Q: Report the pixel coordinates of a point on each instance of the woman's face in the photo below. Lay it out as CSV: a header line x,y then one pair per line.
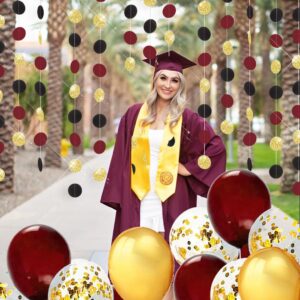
x,y
167,84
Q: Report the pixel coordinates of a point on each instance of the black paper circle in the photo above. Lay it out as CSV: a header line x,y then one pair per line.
x,y
18,7
227,1
250,12
276,171
130,11
249,164
40,164
75,190
249,88
204,110
296,88
19,86
150,26
296,14
74,39
2,121
99,120
40,12
40,88
74,116
204,33
296,162
276,92
100,46
2,46
276,15
227,74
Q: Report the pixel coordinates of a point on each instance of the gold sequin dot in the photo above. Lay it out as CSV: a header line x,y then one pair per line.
x,y
249,114
99,21
150,2
275,66
99,95
40,114
18,139
166,178
2,21
169,37
75,165
204,162
130,64
204,85
276,143
2,175
296,136
99,174
204,8
227,48
226,127
75,16
296,62
74,91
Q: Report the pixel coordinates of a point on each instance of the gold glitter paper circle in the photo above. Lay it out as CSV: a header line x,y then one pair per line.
x,y
169,37
130,64
99,21
2,21
276,143
40,114
204,8
226,127
74,91
99,175
19,59
150,2
275,66
18,139
296,136
1,96
166,178
75,165
227,48
204,85
296,62
249,114
75,16
40,38
204,162
99,95
2,175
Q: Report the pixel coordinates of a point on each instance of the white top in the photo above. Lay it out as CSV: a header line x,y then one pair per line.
x,y
151,208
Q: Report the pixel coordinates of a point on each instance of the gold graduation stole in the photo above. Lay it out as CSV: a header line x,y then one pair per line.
x,y
168,159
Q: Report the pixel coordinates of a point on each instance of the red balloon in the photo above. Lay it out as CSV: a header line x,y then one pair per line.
x,y
235,200
35,255
195,276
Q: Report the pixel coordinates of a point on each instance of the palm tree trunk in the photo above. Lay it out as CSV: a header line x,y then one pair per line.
x,y
6,107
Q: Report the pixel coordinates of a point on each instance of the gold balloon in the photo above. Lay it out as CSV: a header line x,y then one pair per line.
x,y
40,114
99,21
227,48
275,66
226,127
296,136
276,143
130,64
249,114
270,274
140,264
75,165
150,2
204,8
19,59
204,85
2,21
1,96
75,16
169,37
2,175
74,91
18,139
100,174
204,162
99,95
40,38
296,62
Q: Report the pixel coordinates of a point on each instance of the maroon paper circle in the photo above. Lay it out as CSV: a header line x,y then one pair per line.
x,y
149,52
1,146
2,71
276,117
275,40
99,147
75,66
250,63
40,63
19,112
19,33
296,36
169,11
227,100
130,37
296,111
40,139
75,139
249,139
99,70
204,59
227,22
296,188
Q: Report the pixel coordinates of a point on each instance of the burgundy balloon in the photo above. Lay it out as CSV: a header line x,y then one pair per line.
x,y
235,200
35,255
195,276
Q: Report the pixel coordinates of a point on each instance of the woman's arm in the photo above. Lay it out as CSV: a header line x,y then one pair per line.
x,y
182,170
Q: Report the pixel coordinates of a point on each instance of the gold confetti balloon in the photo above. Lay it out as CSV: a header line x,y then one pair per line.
x,y
75,16
204,8
296,136
150,2
275,66
169,37
1,96
99,95
19,59
274,228
226,127
2,21
249,114
18,139
82,280
75,165
204,162
2,175
224,285
130,64
227,48
4,291
192,233
296,62
74,91
276,143
99,175
99,21
204,85
40,114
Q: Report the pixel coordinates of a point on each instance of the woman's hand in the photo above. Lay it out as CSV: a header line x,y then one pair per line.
x,y
182,170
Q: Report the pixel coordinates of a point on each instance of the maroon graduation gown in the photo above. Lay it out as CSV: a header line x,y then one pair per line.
x,y
117,192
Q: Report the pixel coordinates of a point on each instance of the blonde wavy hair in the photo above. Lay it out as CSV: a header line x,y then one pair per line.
x,y
177,104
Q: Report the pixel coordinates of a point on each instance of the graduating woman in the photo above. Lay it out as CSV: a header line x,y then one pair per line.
x,y
154,173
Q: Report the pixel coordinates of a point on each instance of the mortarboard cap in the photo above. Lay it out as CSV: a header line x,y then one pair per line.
x,y
170,60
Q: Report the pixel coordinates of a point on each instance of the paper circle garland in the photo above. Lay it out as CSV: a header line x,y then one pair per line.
x,y
40,114
75,139
99,120
169,10
227,100
130,37
227,48
74,91
204,8
40,88
204,33
129,64
204,59
18,139
276,143
275,66
75,16
19,86
204,110
75,190
99,147
2,21
75,165
276,15
74,116
40,63
99,70
204,162
276,117
150,26
204,85
19,33
74,39
99,175
18,7
40,12
296,62
100,46
149,52
99,21
169,37
249,139
150,2
226,127
2,175
249,114
296,136
276,171
19,112
40,139
130,11
75,66
1,96
227,22
99,95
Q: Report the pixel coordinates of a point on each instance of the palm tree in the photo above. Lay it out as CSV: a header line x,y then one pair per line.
x,y
6,107
289,77
56,35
